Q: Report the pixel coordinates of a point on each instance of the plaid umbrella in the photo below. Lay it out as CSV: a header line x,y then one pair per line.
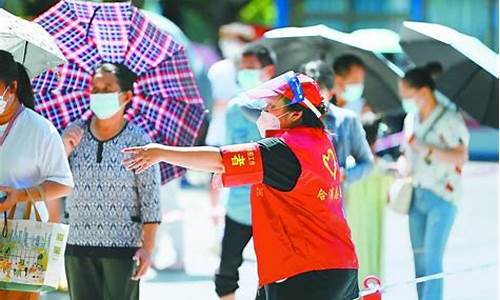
x,y
166,102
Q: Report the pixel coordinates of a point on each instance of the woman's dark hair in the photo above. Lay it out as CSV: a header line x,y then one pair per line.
x,y
13,71
124,75
371,131
309,119
419,78
343,64
263,54
320,71
435,69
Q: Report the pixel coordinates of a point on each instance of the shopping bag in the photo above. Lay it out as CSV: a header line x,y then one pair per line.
x,y
31,252
400,195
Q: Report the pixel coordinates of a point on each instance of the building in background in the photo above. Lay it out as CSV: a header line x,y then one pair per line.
x,y
200,19
478,18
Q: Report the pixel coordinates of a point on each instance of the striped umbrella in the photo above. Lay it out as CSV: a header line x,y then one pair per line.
x,y
166,103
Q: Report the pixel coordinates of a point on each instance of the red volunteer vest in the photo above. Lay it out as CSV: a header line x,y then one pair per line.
x,y
304,229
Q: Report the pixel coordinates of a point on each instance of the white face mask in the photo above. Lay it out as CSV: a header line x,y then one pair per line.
x,y
353,92
410,105
105,105
268,121
248,79
3,103
231,48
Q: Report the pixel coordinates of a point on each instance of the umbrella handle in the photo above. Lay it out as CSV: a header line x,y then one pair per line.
x,y
25,50
91,20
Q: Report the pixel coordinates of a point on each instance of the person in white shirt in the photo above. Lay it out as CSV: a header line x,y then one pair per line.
x,y
223,76
435,151
32,157
234,38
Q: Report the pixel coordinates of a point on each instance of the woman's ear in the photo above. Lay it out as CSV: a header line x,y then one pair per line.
x,y
338,85
127,97
295,116
13,87
268,72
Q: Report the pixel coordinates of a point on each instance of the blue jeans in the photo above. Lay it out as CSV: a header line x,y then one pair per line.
x,y
431,219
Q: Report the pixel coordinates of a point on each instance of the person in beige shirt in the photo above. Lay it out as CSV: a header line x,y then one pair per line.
x,y
435,153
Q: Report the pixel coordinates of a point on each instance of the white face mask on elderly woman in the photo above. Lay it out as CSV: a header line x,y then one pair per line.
x,y
3,102
105,105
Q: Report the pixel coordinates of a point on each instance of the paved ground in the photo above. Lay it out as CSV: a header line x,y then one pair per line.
x,y
473,241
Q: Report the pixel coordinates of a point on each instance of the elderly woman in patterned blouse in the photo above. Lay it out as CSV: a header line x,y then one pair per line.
x,y
113,214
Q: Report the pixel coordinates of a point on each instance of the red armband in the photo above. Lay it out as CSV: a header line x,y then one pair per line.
x,y
242,164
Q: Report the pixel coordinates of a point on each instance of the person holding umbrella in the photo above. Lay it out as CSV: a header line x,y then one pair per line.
x,y
113,214
435,153
302,240
32,155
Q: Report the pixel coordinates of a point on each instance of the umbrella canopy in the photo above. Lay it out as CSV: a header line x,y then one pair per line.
x,y
297,45
379,40
171,28
470,77
166,102
29,43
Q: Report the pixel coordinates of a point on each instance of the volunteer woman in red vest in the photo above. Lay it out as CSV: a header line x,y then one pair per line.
x,y
302,240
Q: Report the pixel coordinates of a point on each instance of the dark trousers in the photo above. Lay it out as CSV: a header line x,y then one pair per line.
x,y
236,237
92,278
317,285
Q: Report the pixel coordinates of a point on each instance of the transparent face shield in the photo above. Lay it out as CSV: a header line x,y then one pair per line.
x,y
263,96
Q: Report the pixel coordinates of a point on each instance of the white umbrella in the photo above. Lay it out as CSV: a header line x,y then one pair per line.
x,y
29,43
471,71
425,42
379,40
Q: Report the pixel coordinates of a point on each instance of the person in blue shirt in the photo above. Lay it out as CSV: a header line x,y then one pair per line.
x,y
256,66
347,133
349,80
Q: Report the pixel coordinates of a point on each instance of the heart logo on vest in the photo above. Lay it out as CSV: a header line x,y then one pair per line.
x,y
330,162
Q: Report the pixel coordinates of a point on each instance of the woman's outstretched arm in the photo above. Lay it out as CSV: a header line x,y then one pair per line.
x,y
206,159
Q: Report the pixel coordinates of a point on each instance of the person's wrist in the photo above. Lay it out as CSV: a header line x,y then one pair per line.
x,y
430,151
161,155
148,248
427,158
67,147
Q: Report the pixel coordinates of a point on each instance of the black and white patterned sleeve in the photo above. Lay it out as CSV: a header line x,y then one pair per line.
x,y
148,186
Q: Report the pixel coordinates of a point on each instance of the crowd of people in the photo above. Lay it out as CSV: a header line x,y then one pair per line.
x,y
296,150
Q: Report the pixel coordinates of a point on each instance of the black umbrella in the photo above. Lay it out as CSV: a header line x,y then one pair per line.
x,y
470,77
295,46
